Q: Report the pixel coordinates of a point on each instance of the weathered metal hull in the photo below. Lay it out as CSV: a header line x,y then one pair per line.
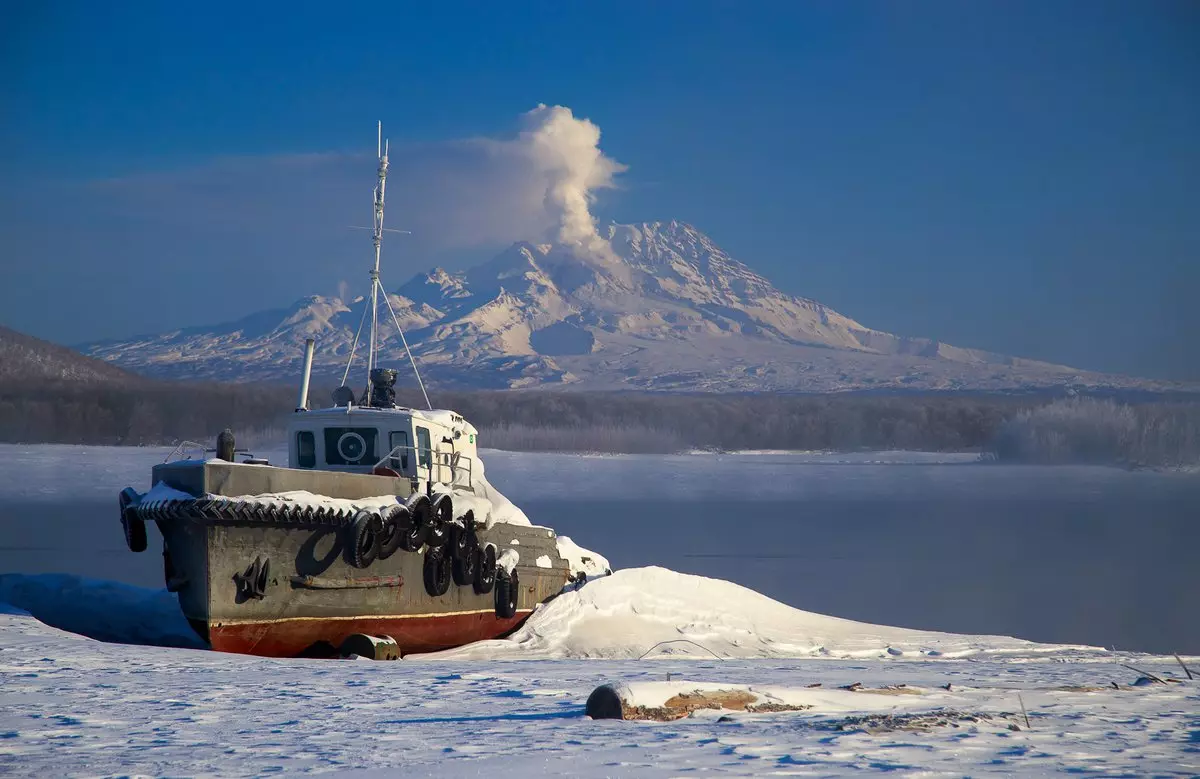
x,y
309,597
318,636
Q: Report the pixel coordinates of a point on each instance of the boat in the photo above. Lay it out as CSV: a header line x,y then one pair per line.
x,y
381,536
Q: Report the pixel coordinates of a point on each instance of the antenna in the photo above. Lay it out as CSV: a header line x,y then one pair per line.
x,y
381,149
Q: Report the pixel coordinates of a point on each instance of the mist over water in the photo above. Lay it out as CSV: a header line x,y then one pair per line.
x,y
1072,554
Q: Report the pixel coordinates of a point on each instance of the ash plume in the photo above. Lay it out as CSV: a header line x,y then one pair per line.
x,y
565,152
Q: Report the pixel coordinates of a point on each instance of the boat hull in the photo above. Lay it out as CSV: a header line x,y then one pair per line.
x,y
282,583
308,636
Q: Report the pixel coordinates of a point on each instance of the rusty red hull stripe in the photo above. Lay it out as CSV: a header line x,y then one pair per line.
x,y
293,637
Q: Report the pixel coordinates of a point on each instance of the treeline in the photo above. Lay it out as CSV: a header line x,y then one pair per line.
x,y
1087,430
1012,428
138,413
668,423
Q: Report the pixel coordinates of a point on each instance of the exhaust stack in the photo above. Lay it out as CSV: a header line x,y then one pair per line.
x,y
302,401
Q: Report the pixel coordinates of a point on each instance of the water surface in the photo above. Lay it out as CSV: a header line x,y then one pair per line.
x,y
1070,554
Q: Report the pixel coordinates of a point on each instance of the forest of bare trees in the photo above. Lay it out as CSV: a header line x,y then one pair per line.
x,y
1089,430
1012,428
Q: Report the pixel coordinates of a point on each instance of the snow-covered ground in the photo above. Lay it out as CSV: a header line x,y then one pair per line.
x,y
73,706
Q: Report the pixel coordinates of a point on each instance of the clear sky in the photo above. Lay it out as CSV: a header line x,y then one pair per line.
x,y
1016,176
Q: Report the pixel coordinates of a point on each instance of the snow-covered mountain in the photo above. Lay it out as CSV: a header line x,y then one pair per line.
x,y
664,309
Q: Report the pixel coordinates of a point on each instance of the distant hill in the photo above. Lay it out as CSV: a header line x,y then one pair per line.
x,y
25,359
52,394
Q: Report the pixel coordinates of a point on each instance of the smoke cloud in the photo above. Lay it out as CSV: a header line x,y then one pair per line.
x,y
566,152
537,186
280,225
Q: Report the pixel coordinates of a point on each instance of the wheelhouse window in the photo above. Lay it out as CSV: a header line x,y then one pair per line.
x,y
424,450
350,445
399,438
306,449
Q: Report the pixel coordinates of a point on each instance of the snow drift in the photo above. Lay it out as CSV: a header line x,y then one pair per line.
x,y
637,611
107,611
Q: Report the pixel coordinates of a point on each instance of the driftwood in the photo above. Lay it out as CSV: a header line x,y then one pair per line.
x,y
606,702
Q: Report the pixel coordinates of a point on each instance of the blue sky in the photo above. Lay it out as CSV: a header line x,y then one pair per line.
x,y
1016,176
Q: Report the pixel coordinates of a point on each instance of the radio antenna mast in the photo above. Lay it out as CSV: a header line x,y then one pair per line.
x,y
381,151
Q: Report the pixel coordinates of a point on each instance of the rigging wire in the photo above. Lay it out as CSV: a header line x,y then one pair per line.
x,y
404,340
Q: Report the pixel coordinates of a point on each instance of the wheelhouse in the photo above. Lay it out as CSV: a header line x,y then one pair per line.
x,y
425,447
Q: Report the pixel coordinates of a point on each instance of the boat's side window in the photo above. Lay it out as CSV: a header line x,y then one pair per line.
x,y
399,438
424,451
306,449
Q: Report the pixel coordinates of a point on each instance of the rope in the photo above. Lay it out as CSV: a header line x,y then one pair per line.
x,y
354,346
404,340
680,641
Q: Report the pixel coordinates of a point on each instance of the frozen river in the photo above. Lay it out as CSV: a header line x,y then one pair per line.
x,y
1082,555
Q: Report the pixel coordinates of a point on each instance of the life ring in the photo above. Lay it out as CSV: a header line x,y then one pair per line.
x,y
508,586
133,527
485,569
420,520
362,541
437,572
383,470
395,527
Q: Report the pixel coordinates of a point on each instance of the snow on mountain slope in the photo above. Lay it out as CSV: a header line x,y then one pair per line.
x,y
666,309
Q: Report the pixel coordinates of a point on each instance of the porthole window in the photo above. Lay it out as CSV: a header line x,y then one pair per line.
x,y
350,446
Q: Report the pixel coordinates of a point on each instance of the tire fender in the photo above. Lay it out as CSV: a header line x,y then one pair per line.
x,y
396,525
485,569
508,586
436,572
133,526
420,519
362,539
442,513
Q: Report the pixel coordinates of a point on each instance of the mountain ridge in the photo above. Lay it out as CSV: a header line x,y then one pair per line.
x,y
659,306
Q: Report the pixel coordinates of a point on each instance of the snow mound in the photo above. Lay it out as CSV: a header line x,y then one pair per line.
x,y
104,610
630,613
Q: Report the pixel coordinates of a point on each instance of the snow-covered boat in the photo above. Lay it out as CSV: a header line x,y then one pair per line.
x,y
381,536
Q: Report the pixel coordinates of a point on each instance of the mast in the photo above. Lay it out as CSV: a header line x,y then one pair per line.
x,y
377,237
381,151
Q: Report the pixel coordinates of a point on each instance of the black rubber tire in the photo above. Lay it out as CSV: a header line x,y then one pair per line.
x,y
485,569
464,569
132,526
439,533
420,519
168,569
362,539
443,508
507,588
437,572
463,539
395,528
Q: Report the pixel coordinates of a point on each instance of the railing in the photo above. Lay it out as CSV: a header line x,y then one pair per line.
x,y
434,464
186,447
